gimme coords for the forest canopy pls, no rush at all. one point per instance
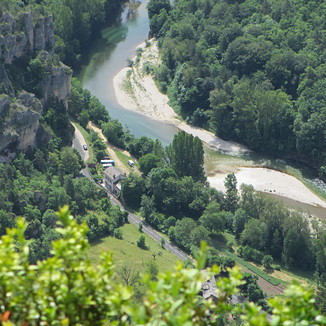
(252, 71)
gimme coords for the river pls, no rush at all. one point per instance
(108, 55)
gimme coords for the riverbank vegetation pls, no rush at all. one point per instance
(183, 207)
(250, 71)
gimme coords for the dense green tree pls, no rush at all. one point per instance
(148, 162)
(253, 234)
(6, 221)
(114, 133)
(211, 218)
(199, 234)
(239, 221)
(82, 106)
(276, 244)
(141, 242)
(147, 207)
(84, 118)
(250, 288)
(152, 270)
(132, 190)
(141, 146)
(231, 195)
(183, 231)
(71, 161)
(296, 250)
(186, 156)
(267, 261)
(39, 160)
(251, 201)
(155, 6)
(250, 71)
(57, 198)
(49, 218)
(157, 182)
(320, 252)
(170, 221)
(56, 116)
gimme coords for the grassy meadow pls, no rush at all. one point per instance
(125, 251)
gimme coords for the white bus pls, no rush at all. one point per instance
(107, 162)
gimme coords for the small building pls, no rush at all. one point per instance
(209, 289)
(112, 177)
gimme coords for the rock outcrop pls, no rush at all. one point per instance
(19, 123)
(19, 36)
(56, 80)
(23, 38)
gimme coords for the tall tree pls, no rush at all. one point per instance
(231, 196)
(186, 155)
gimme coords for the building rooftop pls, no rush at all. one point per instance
(113, 172)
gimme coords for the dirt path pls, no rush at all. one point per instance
(110, 150)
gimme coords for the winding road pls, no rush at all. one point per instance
(147, 229)
(78, 143)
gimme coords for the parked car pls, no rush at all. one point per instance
(85, 147)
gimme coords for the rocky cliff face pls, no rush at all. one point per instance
(23, 34)
(23, 38)
(56, 80)
(19, 124)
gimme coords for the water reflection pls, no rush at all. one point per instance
(108, 56)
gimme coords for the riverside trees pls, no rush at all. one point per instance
(252, 71)
(186, 156)
(175, 199)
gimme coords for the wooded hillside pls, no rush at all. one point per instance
(252, 71)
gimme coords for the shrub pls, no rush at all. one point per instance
(141, 243)
(89, 295)
(267, 261)
(117, 233)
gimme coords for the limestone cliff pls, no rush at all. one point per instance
(24, 34)
(19, 123)
(25, 38)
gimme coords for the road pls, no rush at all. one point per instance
(147, 229)
(78, 143)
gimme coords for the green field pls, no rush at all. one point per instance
(125, 251)
(125, 158)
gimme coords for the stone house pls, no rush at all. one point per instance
(112, 177)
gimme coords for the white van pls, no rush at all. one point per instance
(131, 163)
